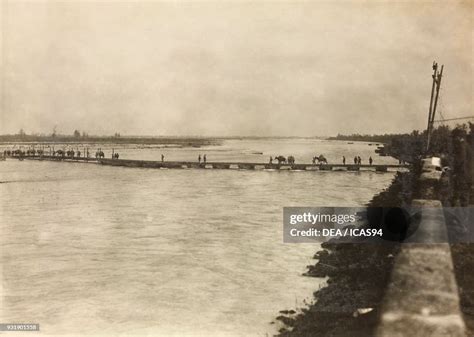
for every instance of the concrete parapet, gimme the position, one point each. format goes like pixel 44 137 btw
pixel 422 297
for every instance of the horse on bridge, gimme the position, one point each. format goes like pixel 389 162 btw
pixel 280 159
pixel 321 160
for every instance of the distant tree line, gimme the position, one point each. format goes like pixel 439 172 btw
pixel 384 138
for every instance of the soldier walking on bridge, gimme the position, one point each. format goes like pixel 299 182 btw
pixel 343 160
pixel 359 160
pixel 370 160
pixel 199 159
pixel 271 160
pixel 355 160
pixel 204 159
pixel 162 158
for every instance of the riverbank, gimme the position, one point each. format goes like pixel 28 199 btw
pixel 357 275
pixel 145 141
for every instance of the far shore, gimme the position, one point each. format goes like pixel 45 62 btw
pixel 61 139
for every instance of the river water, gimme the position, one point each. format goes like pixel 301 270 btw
pixel 100 250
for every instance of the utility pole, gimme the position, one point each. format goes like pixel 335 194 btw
pixel 435 68
pixel 438 85
pixel 433 104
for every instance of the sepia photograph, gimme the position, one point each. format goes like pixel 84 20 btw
pixel 237 168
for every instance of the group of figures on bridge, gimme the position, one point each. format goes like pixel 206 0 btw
pixel 67 154
pixel 320 160
pixel 62 153
pixel 283 160
pixel 357 160
pixel 22 153
pixel 291 160
pixel 204 159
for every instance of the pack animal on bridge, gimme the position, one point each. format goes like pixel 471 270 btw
pixel 321 160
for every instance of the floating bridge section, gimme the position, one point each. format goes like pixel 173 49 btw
pixel 222 165
pixel 247 166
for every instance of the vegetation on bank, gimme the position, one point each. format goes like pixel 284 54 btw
pixel 385 138
pixel 412 146
pixel 458 191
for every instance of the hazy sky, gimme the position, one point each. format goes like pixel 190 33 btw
pixel 231 68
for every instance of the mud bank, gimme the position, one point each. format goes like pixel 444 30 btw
pixel 357 274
